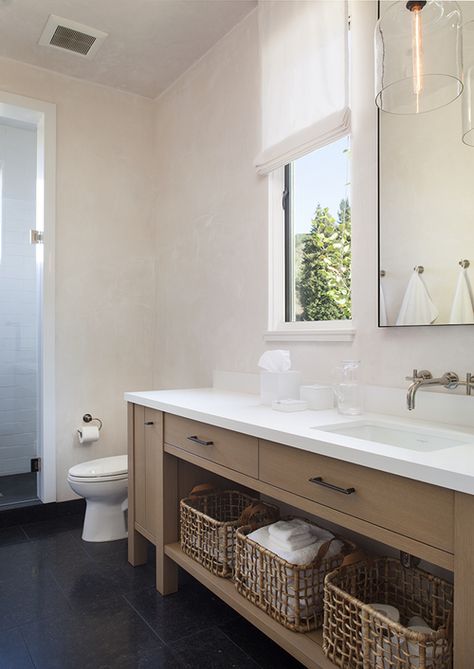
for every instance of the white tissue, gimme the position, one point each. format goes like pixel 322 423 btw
pixel 88 434
pixel 275 361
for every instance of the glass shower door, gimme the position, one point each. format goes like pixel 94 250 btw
pixel 20 275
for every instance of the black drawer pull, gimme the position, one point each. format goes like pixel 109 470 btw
pixel 149 422
pixel 201 442
pixel 319 481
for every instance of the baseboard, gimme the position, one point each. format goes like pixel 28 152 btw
pixel 37 512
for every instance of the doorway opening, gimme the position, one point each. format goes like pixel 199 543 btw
pixel 27 198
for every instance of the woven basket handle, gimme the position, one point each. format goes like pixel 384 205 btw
pixel 202 489
pixel 322 552
pixel 355 556
pixel 251 512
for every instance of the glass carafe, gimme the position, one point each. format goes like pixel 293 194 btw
pixel 347 389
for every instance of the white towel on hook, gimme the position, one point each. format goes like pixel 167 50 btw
pixel 383 320
pixel 462 310
pixel 417 306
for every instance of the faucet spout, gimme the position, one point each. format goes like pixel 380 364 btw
pixel 411 392
pixel 449 380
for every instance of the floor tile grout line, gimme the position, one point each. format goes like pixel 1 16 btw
pixel 61 589
pixel 28 649
pixel 216 627
pixel 186 636
pixel 257 664
pixel 24 532
pixel 124 596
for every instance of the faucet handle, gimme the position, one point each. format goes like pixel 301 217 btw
pixel 452 380
pixel 423 374
pixel 469 383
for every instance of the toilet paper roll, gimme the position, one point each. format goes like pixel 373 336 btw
pixel 417 621
pixel 88 434
pixel 387 610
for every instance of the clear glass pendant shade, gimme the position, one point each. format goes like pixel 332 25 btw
pixel 467 98
pixel 418 47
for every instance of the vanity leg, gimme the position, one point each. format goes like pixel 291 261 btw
pixel 463 580
pixel 167 530
pixel 137 548
pixel 137 544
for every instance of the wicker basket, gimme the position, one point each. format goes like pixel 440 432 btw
pixel 209 520
pixel 356 636
pixel 291 594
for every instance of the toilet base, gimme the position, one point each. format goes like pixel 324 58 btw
pixel 104 522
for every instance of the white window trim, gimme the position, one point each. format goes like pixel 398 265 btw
pixel 278 328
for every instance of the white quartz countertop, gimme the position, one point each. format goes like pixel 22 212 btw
pixel 450 468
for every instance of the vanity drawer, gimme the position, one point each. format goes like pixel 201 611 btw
pixel 418 510
pixel 225 447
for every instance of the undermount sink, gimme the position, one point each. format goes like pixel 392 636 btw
pixel 402 435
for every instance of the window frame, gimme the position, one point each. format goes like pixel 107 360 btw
pixel 280 275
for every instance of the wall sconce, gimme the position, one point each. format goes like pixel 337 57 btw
pixel 418 51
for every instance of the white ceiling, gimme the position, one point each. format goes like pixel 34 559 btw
pixel 150 42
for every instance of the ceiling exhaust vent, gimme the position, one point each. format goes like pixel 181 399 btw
pixel 71 36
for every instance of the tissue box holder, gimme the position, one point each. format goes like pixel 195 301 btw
pixel 279 386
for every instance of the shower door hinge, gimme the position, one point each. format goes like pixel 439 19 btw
pixel 36 237
pixel 35 464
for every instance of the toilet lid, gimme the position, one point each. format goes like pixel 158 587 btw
pixel 113 466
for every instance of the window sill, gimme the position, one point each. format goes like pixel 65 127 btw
pixel 330 332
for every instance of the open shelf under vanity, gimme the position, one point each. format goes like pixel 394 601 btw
pixel 307 648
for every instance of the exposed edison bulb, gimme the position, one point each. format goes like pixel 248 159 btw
pixel 415 8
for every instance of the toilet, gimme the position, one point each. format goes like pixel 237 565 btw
pixel 104 485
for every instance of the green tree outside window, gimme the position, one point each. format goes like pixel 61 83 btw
pixel 323 267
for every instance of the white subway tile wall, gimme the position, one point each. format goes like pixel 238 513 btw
pixel 19 317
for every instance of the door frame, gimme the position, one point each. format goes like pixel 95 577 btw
pixel 43 116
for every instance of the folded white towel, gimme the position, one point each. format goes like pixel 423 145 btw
pixel 298 557
pixel 417 307
pixel 294 543
pixel 283 530
pixel 462 310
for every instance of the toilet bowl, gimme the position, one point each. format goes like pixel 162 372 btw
pixel 104 485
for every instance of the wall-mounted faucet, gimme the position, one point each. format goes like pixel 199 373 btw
pixel 449 380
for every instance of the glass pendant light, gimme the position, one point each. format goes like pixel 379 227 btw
pixel 418 48
pixel 467 98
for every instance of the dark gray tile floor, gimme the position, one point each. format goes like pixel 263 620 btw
pixel 68 604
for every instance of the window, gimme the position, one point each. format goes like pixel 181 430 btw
pixel 305 129
pixel 317 222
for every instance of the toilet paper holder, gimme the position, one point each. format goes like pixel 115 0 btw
pixel 88 418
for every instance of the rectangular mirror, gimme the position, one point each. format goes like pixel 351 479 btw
pixel 426 214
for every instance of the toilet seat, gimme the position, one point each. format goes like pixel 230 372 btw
pixel 97 479
pixel 105 469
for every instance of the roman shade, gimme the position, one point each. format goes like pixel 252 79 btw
pixel 304 78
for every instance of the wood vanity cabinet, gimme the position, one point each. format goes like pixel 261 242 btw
pixel 168 454
pixel 145 430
